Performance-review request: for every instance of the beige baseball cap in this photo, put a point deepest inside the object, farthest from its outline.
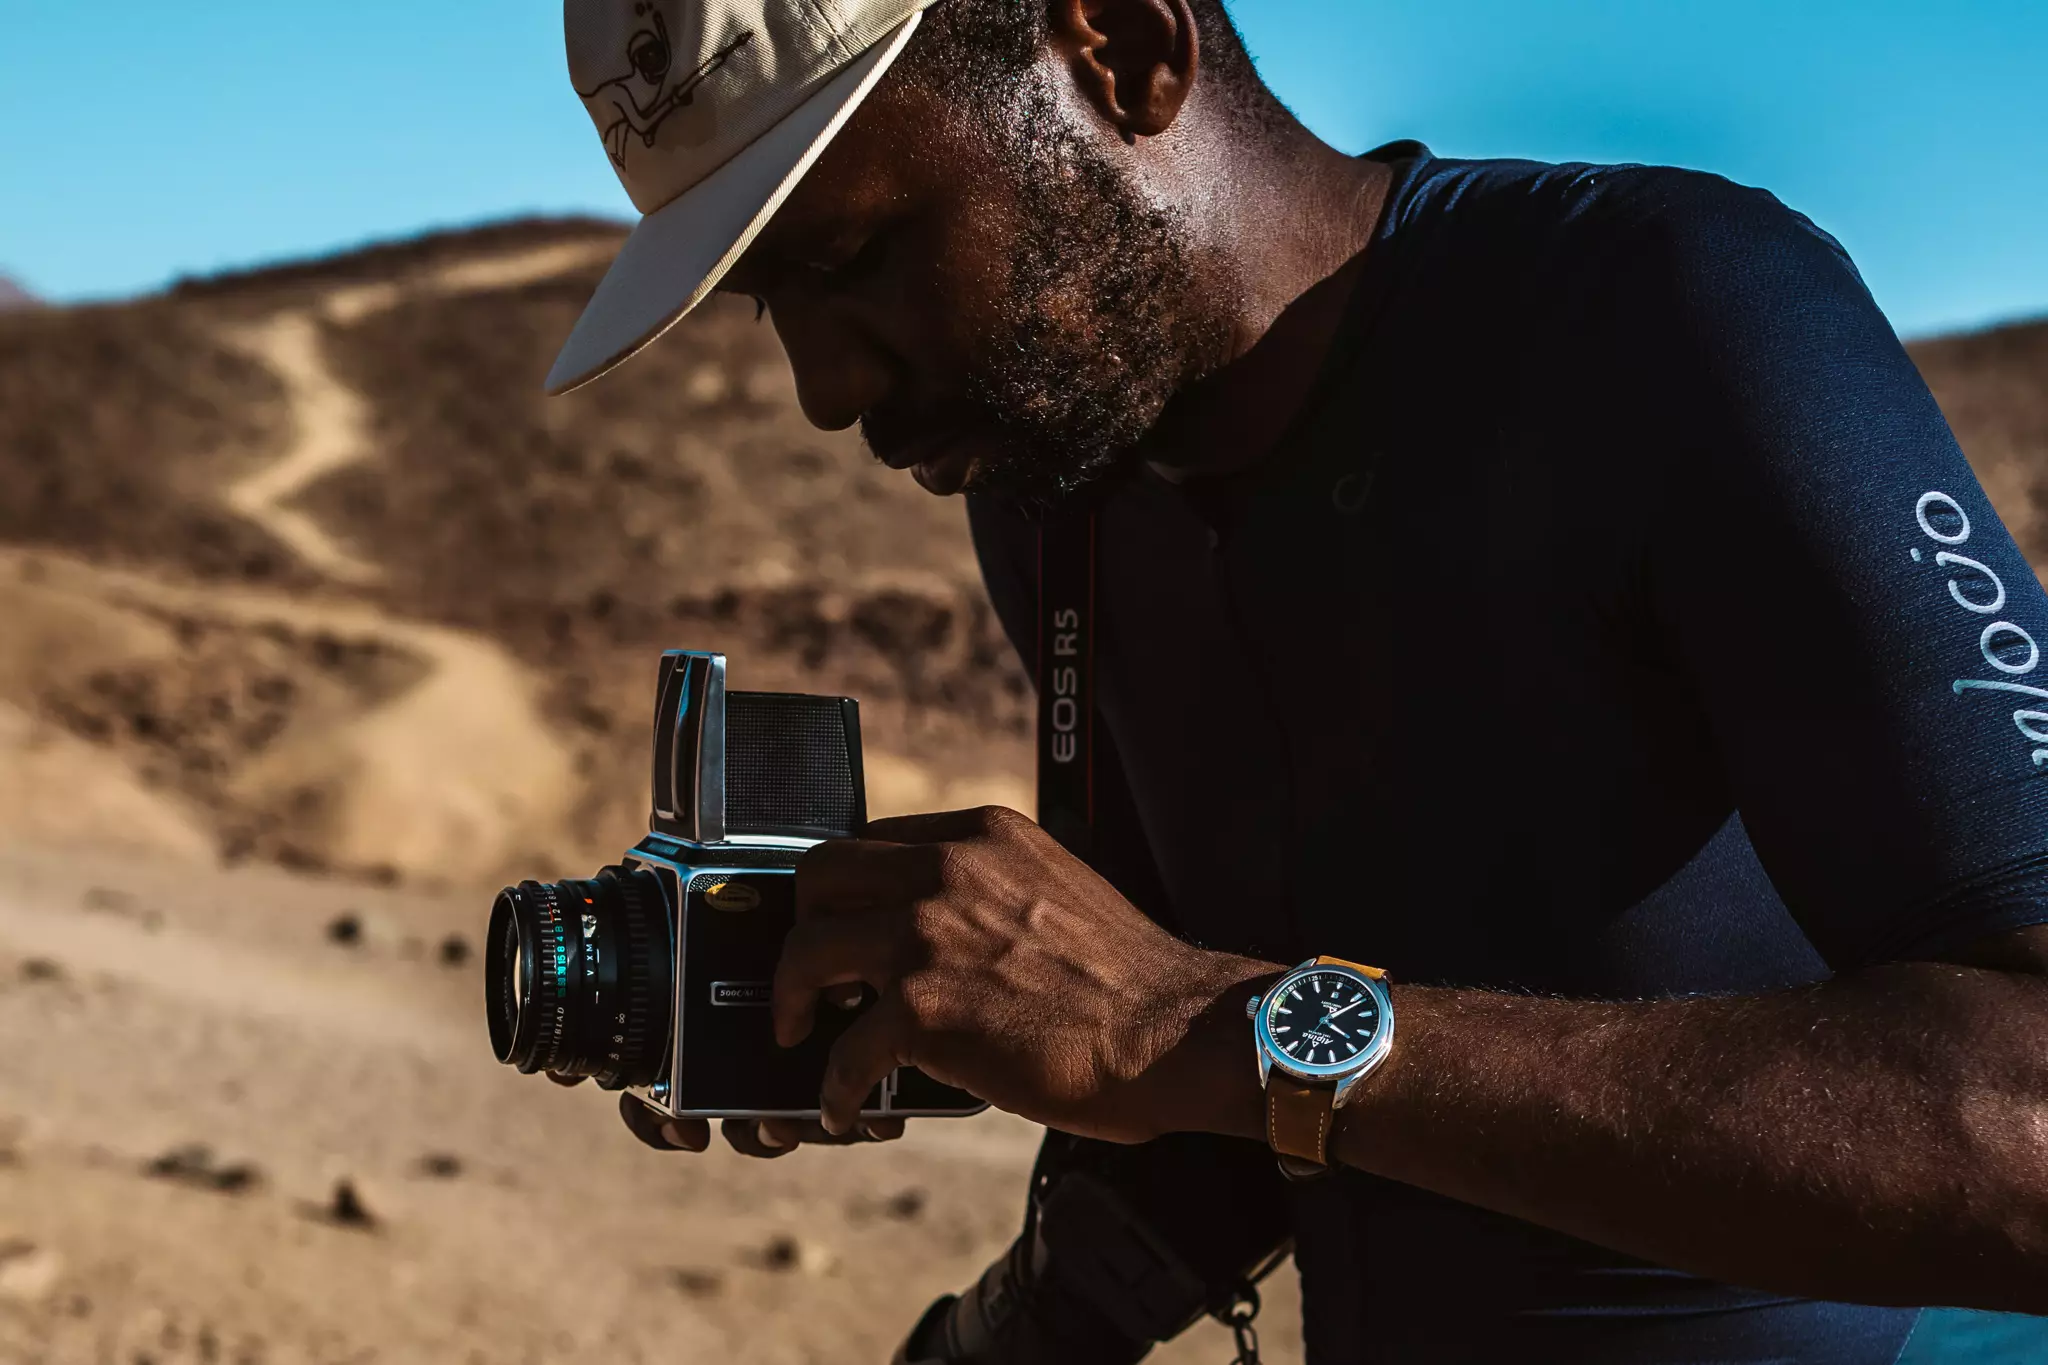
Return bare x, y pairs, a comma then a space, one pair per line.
711, 111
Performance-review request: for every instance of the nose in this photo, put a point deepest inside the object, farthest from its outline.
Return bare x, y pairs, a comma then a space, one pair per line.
841, 372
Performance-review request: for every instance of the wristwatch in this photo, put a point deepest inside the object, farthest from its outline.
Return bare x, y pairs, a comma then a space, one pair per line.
1320, 1030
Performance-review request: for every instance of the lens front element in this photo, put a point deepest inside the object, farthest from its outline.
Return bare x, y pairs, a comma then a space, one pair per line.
579, 977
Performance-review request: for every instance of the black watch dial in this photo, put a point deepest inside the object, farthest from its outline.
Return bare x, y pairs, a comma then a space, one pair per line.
1323, 1019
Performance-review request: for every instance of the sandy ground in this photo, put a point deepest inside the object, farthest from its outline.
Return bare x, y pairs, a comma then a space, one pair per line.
454, 764
194, 1066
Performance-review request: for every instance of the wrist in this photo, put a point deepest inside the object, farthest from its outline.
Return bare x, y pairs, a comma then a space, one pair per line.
1208, 1078
1320, 1033
1381, 1096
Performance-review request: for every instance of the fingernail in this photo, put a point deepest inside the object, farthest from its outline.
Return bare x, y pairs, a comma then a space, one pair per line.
673, 1135
767, 1138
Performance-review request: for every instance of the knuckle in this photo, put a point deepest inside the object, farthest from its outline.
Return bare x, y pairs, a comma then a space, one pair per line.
935, 861
925, 930
951, 865
843, 1074
1000, 820
923, 1004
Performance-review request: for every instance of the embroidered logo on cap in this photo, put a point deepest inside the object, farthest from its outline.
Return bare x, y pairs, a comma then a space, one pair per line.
643, 97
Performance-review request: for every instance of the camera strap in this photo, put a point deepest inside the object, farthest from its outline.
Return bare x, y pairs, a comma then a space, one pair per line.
1066, 680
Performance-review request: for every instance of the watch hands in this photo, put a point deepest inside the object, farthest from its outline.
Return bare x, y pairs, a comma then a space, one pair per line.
1352, 1006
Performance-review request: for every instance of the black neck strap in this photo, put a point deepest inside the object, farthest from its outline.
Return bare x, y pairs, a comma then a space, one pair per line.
1066, 681
1340, 405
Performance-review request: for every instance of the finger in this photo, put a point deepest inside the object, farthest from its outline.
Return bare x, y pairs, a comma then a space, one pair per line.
939, 827
661, 1132
865, 1130
559, 1079
877, 1043
858, 874
781, 1133
839, 950
811, 1133
746, 1138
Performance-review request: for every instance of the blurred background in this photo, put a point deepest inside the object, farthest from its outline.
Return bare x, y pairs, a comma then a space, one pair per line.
317, 623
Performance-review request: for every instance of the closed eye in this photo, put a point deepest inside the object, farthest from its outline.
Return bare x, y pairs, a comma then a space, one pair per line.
853, 266
763, 271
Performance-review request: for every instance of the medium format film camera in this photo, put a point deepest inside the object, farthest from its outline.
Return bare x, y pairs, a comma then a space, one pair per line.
653, 976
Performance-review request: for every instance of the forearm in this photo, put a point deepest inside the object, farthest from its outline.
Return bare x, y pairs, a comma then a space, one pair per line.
1881, 1138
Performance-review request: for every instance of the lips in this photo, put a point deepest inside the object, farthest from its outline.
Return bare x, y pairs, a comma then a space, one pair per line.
945, 474
941, 461
911, 451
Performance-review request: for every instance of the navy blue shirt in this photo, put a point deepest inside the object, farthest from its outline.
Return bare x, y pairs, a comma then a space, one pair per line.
1620, 621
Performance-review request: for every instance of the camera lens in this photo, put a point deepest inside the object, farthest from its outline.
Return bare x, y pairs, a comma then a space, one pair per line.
579, 977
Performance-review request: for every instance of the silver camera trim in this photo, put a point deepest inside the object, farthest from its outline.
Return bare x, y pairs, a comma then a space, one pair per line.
658, 850
689, 838
690, 709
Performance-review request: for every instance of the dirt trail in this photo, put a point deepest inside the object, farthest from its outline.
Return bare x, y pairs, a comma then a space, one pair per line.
331, 420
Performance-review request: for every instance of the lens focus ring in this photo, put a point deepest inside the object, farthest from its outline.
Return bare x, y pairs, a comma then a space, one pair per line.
579, 976
632, 1045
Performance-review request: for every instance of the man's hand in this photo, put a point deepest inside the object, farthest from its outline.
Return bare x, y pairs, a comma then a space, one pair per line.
1006, 967
765, 1138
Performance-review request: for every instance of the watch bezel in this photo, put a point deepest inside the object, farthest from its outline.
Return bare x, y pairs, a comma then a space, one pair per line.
1374, 1052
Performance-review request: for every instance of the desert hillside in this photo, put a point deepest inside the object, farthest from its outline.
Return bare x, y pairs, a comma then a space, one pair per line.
298, 570
1993, 385
299, 565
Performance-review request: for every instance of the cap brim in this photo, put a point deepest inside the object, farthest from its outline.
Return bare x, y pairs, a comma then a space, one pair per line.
680, 251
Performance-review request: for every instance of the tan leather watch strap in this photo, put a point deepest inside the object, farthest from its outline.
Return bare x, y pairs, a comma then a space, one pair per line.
1298, 1118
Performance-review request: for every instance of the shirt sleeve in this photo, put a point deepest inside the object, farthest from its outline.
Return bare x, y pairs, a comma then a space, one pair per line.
1863, 636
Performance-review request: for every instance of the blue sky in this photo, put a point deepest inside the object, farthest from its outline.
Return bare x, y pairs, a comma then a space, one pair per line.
140, 141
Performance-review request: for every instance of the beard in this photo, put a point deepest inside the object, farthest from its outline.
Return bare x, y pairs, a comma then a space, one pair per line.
1096, 329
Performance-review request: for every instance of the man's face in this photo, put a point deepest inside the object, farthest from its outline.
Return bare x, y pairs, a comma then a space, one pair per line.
988, 297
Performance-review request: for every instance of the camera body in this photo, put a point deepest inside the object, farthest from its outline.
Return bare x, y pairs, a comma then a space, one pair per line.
655, 975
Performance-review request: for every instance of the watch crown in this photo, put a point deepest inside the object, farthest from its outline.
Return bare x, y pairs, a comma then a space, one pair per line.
1251, 1007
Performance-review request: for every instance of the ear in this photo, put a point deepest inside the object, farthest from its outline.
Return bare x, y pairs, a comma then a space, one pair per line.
1135, 60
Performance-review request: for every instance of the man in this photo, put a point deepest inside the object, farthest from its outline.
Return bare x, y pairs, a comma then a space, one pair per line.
1550, 584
